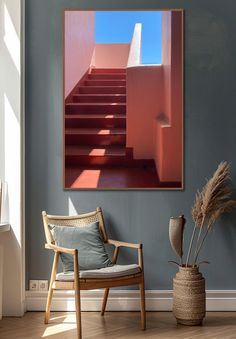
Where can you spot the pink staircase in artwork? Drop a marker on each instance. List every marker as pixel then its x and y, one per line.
pixel 95 122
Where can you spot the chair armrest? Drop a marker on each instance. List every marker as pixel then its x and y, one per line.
pixel 117 243
pixel 59 249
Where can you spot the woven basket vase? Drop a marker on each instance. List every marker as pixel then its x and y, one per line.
pixel 189 296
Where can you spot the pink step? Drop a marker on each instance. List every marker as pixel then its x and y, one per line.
pixel 103 82
pixel 95 120
pixel 108 70
pixel 95 136
pixel 95 108
pixel 97 131
pixel 106 76
pixel 99 98
pixel 95 151
pixel 105 156
pixel 102 89
pixel 95 156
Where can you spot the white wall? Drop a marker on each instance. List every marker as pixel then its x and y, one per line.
pixel 11 153
pixel 135 47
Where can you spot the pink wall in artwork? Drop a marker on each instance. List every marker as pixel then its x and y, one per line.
pixel 169 129
pixel 111 55
pixel 144 101
pixel 79 46
pixel 166 60
pixel 154 104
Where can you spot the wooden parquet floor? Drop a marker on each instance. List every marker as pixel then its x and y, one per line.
pixel 160 325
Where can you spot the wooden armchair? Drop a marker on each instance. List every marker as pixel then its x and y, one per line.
pixel 78 283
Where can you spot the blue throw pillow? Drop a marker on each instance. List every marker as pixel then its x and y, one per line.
pixel 91 250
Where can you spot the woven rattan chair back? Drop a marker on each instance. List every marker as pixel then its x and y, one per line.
pixel 81 220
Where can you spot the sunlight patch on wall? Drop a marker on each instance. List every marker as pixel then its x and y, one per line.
pixel 71 207
pixel 12 164
pixel 11 39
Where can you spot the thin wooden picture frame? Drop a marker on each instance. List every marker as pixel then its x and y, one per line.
pixel 161 188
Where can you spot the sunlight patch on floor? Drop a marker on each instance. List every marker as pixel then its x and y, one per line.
pixel 88 178
pixel 57 325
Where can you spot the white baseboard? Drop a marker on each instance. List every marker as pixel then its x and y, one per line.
pixel 125 300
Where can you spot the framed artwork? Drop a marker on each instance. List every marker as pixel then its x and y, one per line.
pixel 123 99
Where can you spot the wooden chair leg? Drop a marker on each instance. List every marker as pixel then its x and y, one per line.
pixel 50 290
pixel 104 303
pixel 48 305
pixel 142 304
pixel 77 296
pixel 78 313
pixel 106 292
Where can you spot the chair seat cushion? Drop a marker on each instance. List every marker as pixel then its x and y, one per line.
pixel 106 272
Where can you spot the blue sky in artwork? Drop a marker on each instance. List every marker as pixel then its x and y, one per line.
pixel 118 27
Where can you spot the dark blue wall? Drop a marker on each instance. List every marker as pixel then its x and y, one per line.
pixel 210 136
